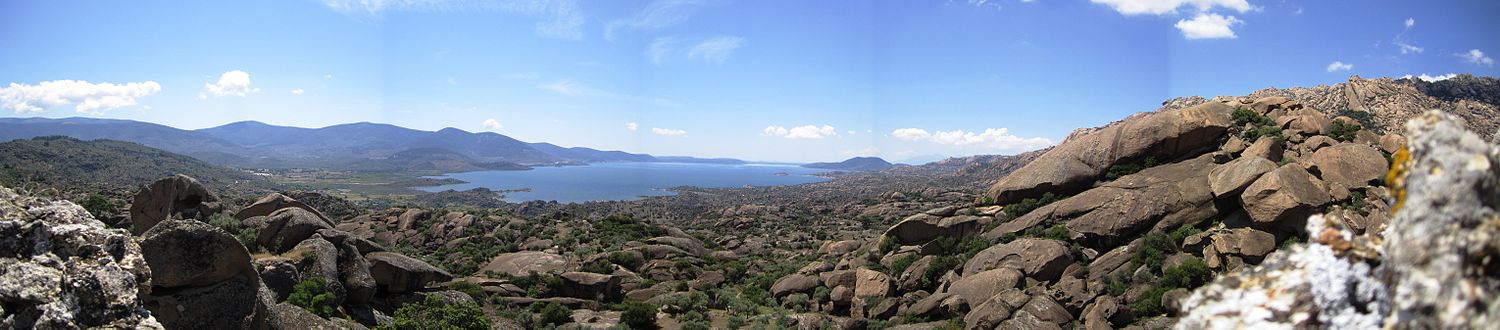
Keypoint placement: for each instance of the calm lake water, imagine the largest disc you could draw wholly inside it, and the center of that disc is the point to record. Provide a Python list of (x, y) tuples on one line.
[(626, 181)]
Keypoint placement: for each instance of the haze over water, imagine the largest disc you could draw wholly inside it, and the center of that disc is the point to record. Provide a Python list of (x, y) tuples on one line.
[(626, 181)]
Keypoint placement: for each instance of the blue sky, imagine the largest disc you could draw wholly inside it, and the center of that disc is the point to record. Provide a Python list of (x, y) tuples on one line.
[(779, 80)]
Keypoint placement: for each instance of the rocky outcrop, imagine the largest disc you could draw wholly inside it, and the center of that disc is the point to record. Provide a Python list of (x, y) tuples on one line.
[(1287, 193), (1427, 269), (1349, 164), (396, 273), (1076, 163), (272, 202), (60, 268), (1043, 259), (179, 197), (207, 281), (286, 227), (524, 263)]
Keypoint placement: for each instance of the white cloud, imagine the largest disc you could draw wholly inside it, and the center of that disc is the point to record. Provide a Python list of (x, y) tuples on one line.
[(1339, 66), (991, 138), (1208, 26), (232, 83), (632, 126), (668, 131), (491, 124), (297, 91), (1476, 57), (659, 14), (1410, 22), (716, 50), (1162, 7), (809, 132), (1427, 78), (578, 89), (555, 18), (328, 76), (90, 98), (1408, 48)]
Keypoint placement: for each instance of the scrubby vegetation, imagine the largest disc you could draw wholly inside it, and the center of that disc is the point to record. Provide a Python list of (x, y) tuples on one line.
[(312, 294), (1119, 170), (1342, 131), (434, 313), (1261, 126)]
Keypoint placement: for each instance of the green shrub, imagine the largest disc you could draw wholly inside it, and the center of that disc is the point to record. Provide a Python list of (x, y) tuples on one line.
[(888, 244), (1190, 274), (312, 294), (1182, 233), (552, 313), (938, 267), (1154, 249), (639, 315), (1118, 170), (1018, 209), (1262, 126), (599, 267), (625, 259), (1343, 131), (469, 288), (241, 232), (434, 313), (98, 205), (901, 264), (1149, 303)]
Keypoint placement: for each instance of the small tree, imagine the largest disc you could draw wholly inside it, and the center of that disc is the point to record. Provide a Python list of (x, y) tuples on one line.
[(639, 315), (553, 313), (434, 313), (312, 294)]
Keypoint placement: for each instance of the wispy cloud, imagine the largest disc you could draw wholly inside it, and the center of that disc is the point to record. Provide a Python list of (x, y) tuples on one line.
[(804, 132), (297, 91), (1163, 7), (1339, 66), (659, 14), (1400, 40), (714, 50), (632, 126), (232, 83), (667, 131), (578, 89), (992, 138), (1476, 57), (1208, 26), (90, 98), (556, 18)]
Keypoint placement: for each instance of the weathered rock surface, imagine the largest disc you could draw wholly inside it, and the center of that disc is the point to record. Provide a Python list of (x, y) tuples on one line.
[(1352, 165), (192, 253), (523, 263), (1043, 259), (1076, 163), (286, 227), (1230, 178), (1289, 192), (272, 202), (397, 273), (177, 196), (60, 268)]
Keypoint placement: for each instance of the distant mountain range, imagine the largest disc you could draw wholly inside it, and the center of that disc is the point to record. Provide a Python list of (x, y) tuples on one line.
[(100, 165), (356, 146), (854, 164)]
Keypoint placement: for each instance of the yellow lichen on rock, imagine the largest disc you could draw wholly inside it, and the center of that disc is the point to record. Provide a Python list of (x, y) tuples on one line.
[(1400, 164)]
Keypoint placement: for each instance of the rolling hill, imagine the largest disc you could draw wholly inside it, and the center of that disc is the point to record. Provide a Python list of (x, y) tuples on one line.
[(73, 164)]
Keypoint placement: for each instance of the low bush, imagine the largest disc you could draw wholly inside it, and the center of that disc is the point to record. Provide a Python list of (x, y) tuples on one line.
[(1153, 250), (638, 315), (312, 294), (552, 313), (434, 313)]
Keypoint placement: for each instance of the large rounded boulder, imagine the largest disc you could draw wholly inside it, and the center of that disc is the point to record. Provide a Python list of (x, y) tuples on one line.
[(1353, 165), (1287, 193), (192, 253), (286, 227), (178, 196), (1042, 259), (396, 273), (1080, 160)]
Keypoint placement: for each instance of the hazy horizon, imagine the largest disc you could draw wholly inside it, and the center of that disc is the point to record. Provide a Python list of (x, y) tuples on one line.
[(783, 81)]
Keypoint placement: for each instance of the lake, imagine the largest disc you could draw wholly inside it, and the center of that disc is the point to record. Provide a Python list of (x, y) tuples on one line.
[(626, 181)]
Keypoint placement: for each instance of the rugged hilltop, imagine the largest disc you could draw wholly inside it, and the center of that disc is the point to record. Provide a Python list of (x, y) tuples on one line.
[(1279, 209)]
